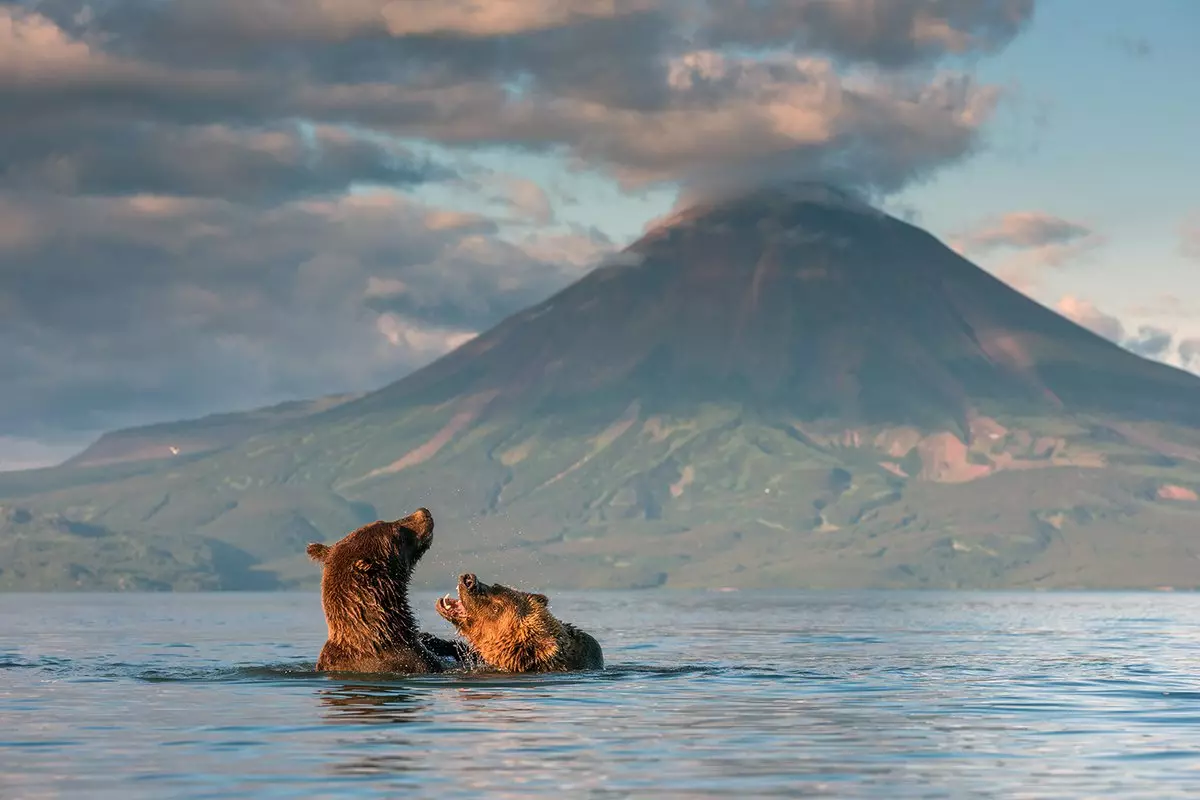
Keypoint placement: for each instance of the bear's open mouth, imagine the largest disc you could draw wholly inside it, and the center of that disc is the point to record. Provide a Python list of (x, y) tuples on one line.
[(451, 609)]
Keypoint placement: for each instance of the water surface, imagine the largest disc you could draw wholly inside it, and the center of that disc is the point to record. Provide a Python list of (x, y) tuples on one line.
[(707, 694)]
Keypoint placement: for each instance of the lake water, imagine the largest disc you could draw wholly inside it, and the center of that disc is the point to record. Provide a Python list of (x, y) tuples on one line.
[(707, 694)]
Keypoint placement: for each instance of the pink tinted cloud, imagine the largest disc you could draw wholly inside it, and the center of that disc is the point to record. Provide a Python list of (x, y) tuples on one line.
[(1189, 236), (1085, 313)]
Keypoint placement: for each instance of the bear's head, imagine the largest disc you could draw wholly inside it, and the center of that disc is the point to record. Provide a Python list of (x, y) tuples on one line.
[(364, 585), (509, 628)]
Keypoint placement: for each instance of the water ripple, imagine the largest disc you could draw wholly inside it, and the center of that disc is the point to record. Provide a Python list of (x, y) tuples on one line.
[(705, 695)]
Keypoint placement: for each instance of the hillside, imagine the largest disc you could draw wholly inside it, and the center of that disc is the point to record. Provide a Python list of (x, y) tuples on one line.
[(195, 437), (786, 388)]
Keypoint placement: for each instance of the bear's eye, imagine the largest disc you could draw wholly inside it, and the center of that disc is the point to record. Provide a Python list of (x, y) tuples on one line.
[(497, 605)]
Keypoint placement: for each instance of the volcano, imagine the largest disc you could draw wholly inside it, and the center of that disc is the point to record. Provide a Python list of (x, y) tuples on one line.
[(783, 388), (802, 302)]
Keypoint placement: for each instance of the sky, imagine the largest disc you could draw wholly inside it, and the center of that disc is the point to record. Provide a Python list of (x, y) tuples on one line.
[(210, 205)]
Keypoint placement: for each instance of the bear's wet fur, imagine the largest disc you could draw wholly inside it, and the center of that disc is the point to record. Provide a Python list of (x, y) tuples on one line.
[(364, 592), (514, 631)]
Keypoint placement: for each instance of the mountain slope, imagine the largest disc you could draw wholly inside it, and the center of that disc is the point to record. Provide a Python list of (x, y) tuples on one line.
[(191, 437), (811, 304), (783, 388)]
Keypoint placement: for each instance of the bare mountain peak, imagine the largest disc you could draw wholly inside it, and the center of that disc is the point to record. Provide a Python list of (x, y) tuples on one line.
[(806, 192), (767, 200), (802, 298)]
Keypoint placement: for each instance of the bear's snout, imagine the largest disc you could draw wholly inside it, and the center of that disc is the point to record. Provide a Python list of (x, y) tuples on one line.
[(467, 581), (419, 522)]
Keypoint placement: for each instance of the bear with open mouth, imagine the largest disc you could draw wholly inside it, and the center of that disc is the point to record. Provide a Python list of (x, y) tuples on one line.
[(514, 631), (364, 592)]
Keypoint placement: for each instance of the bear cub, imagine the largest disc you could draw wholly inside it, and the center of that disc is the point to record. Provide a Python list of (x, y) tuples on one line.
[(364, 592), (514, 631)]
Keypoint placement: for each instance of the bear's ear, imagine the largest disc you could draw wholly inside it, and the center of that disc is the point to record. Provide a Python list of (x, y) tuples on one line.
[(318, 552), (362, 565), (540, 600)]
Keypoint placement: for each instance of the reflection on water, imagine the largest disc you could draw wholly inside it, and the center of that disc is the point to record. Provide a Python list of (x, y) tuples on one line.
[(706, 695), (371, 705), (391, 750)]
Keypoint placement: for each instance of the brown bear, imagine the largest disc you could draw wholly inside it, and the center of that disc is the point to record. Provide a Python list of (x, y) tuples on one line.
[(364, 591), (514, 631)]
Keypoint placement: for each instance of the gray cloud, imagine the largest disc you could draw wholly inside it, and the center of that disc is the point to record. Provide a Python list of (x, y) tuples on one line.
[(1150, 341), (893, 33), (190, 305), (257, 165), (478, 279), (20, 453), (736, 120), (246, 23), (1189, 353), (643, 87)]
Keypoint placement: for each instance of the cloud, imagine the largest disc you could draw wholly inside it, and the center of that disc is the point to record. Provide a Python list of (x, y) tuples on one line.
[(1083, 312), (1150, 341), (524, 198), (893, 33), (1189, 353), (193, 304), (260, 164), (654, 91), (476, 280), (262, 22), (1165, 305), (738, 120), (18, 228), (1189, 237), (1022, 230), (83, 121), (578, 246), (420, 339), (18, 453), (1031, 241)]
